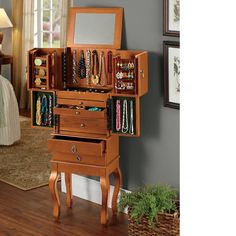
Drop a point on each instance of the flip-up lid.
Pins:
(95, 27)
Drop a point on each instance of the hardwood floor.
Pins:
(24, 213)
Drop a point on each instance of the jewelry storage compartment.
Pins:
(43, 68)
(77, 125)
(131, 72)
(82, 96)
(91, 68)
(80, 111)
(42, 114)
(123, 112)
(78, 150)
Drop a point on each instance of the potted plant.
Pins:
(152, 210)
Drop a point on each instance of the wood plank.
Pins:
(25, 213)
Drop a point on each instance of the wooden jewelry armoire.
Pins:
(89, 94)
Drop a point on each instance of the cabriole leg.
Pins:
(54, 192)
(68, 190)
(105, 187)
(118, 179)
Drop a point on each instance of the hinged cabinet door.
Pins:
(142, 72)
(124, 115)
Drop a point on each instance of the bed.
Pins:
(9, 114)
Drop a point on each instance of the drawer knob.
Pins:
(142, 74)
(73, 149)
(78, 158)
(77, 113)
(82, 125)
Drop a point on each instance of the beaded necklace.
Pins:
(102, 69)
(64, 71)
(118, 115)
(88, 62)
(109, 66)
(131, 128)
(81, 66)
(95, 68)
(50, 111)
(74, 67)
(125, 125)
(44, 110)
(38, 110)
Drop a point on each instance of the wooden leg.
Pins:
(54, 192)
(105, 186)
(68, 190)
(118, 179)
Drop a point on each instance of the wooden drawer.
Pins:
(80, 112)
(81, 151)
(82, 95)
(75, 123)
(80, 102)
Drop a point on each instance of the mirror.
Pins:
(95, 27)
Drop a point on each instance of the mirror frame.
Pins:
(118, 11)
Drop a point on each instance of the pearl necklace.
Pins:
(131, 128)
(125, 125)
(118, 115)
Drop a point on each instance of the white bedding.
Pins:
(9, 114)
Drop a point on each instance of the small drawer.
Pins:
(81, 151)
(79, 124)
(82, 95)
(80, 112)
(80, 102)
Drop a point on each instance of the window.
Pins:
(47, 15)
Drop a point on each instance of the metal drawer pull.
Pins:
(82, 125)
(78, 158)
(77, 113)
(142, 74)
(73, 149)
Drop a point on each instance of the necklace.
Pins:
(44, 110)
(125, 124)
(117, 115)
(74, 67)
(102, 70)
(64, 72)
(81, 66)
(109, 66)
(131, 128)
(88, 62)
(95, 68)
(50, 111)
(38, 110)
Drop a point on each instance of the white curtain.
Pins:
(27, 44)
(23, 40)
